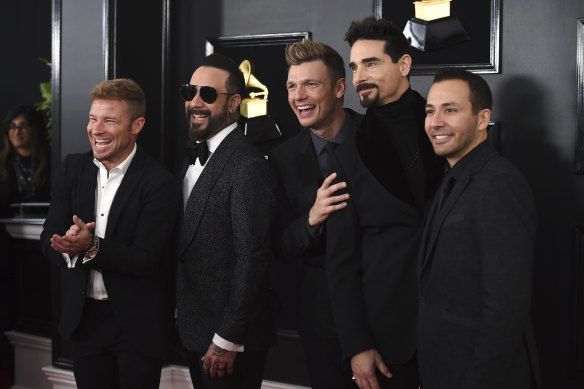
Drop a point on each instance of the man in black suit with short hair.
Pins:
(116, 257)
(316, 86)
(373, 243)
(223, 311)
(477, 251)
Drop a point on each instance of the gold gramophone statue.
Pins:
(253, 106)
(434, 27)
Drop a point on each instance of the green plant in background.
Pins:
(45, 104)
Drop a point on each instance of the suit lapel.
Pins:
(87, 186)
(125, 191)
(200, 192)
(432, 228)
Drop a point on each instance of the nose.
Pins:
(196, 102)
(299, 93)
(359, 76)
(435, 120)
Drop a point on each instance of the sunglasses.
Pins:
(208, 93)
(21, 126)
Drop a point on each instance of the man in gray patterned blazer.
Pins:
(222, 288)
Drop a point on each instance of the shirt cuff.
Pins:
(227, 345)
(70, 260)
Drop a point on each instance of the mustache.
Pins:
(195, 111)
(360, 87)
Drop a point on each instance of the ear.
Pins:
(137, 125)
(405, 64)
(340, 87)
(234, 102)
(484, 116)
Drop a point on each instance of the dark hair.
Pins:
(122, 89)
(235, 82)
(396, 44)
(480, 93)
(308, 51)
(40, 149)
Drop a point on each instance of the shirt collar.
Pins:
(347, 130)
(123, 166)
(214, 141)
(466, 165)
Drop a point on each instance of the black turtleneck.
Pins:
(394, 147)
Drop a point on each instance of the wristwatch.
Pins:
(91, 251)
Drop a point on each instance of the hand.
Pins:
(363, 366)
(217, 361)
(326, 203)
(75, 240)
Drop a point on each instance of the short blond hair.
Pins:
(308, 51)
(122, 89)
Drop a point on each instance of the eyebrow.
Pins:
(447, 104)
(368, 59)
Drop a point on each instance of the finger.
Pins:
(213, 370)
(91, 225)
(373, 383)
(382, 367)
(230, 368)
(327, 181)
(206, 366)
(221, 371)
(79, 223)
(337, 186)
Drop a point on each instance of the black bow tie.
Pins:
(197, 150)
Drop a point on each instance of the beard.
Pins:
(214, 123)
(370, 98)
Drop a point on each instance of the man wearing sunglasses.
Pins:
(222, 290)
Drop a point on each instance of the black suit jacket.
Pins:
(475, 280)
(135, 256)
(371, 264)
(224, 251)
(296, 166)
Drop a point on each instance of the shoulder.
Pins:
(293, 144)
(500, 178)
(151, 168)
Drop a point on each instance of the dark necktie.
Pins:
(197, 150)
(441, 195)
(325, 159)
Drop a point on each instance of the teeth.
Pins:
(102, 141)
(441, 136)
(304, 107)
(199, 116)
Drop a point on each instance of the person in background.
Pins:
(24, 159)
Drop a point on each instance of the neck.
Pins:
(332, 127)
(24, 151)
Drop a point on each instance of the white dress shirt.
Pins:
(192, 175)
(105, 191)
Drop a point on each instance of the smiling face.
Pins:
(376, 78)
(205, 120)
(21, 137)
(112, 131)
(451, 125)
(314, 97)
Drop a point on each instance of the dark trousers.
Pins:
(325, 363)
(248, 371)
(104, 358)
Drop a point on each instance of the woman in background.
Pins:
(24, 159)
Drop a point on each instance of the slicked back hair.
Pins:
(396, 44)
(122, 89)
(235, 82)
(480, 93)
